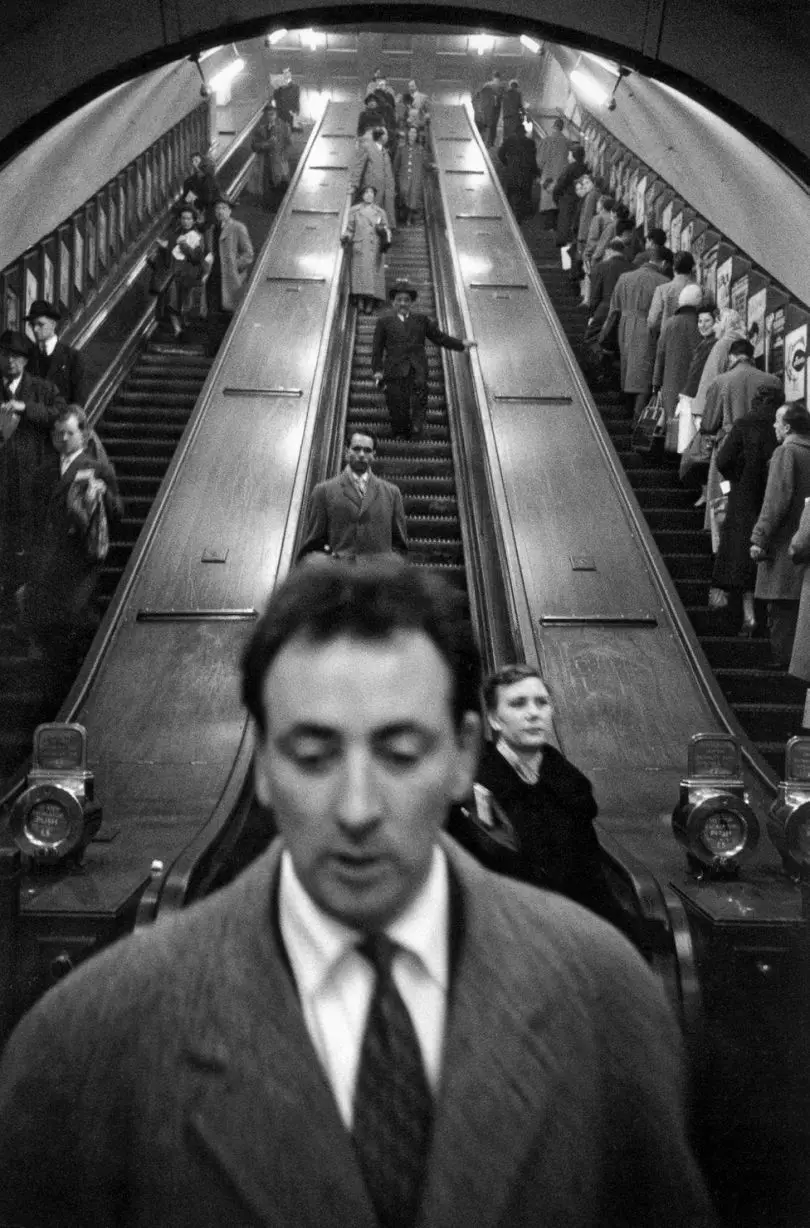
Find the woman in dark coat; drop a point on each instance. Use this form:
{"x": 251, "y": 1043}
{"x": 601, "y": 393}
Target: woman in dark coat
{"x": 742, "y": 459}
{"x": 534, "y": 814}
{"x": 565, "y": 196}
{"x": 178, "y": 265}
{"x": 518, "y": 156}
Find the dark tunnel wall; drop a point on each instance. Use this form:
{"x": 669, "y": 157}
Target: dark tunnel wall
{"x": 747, "y": 57}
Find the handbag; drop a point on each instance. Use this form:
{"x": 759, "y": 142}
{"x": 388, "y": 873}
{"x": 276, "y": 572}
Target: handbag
{"x": 799, "y": 548}
{"x": 719, "y": 509}
{"x": 695, "y": 460}
{"x": 384, "y": 236}
{"x": 651, "y": 425}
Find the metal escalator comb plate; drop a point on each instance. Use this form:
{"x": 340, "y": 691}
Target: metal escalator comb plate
{"x": 480, "y": 217}
{"x": 458, "y": 170}
{"x": 329, "y": 166}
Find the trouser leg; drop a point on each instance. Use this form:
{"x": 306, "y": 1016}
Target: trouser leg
{"x": 782, "y": 619}
{"x": 419, "y": 405}
{"x": 397, "y": 400}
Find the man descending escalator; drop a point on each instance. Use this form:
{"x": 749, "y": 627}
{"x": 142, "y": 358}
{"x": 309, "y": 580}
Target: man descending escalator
{"x": 403, "y": 371}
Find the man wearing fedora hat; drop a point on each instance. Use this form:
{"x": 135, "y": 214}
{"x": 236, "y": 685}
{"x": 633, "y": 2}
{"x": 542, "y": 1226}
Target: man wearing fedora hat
{"x": 51, "y": 359}
{"x": 399, "y": 359}
{"x": 28, "y": 409}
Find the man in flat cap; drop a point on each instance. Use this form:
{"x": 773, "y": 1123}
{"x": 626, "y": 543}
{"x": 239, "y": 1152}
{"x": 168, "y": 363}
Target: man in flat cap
{"x": 28, "y": 409}
{"x": 52, "y": 359}
{"x": 400, "y": 363}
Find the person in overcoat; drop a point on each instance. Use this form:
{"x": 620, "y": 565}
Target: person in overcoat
{"x": 552, "y": 159}
{"x": 630, "y": 306}
{"x": 799, "y": 551}
{"x": 729, "y": 397}
{"x": 229, "y": 260}
{"x": 518, "y": 156}
{"x": 58, "y": 603}
{"x": 779, "y": 581}
{"x": 365, "y": 230}
{"x": 53, "y": 360}
{"x": 179, "y": 265}
{"x": 512, "y": 110}
{"x": 604, "y": 277}
{"x": 565, "y": 197}
{"x": 399, "y": 359}
{"x": 676, "y": 345}
{"x": 201, "y": 188}
{"x": 546, "y": 805}
{"x": 742, "y": 459}
{"x": 216, "y": 1068}
{"x": 602, "y": 222}
{"x": 370, "y": 117}
{"x": 271, "y": 142}
{"x": 487, "y": 107}
{"x": 372, "y": 166}
{"x": 666, "y": 298}
{"x": 28, "y": 410}
{"x": 287, "y": 97}
{"x": 356, "y": 513}
{"x": 410, "y": 163}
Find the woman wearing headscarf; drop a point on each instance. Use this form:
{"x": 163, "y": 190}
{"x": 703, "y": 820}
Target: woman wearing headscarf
{"x": 532, "y": 812}
{"x": 742, "y": 459}
{"x": 367, "y": 234}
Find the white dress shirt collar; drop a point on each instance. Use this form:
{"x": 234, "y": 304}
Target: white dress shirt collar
{"x": 50, "y": 344}
{"x": 528, "y": 773}
{"x": 13, "y": 385}
{"x": 317, "y": 944}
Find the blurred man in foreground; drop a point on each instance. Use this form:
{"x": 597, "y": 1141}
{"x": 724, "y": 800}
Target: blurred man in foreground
{"x": 365, "y": 1028}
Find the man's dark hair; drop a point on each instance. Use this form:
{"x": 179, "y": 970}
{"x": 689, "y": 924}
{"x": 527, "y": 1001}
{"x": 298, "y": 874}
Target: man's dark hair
{"x": 506, "y": 676}
{"x": 656, "y": 237}
{"x": 684, "y": 262}
{"x": 625, "y": 227}
{"x": 659, "y": 255}
{"x": 320, "y": 602}
{"x": 73, "y": 411}
{"x": 360, "y": 431}
{"x": 797, "y": 417}
{"x": 378, "y": 133}
{"x": 617, "y": 245}
{"x": 741, "y": 345}
{"x": 766, "y": 400}
{"x": 622, "y": 212}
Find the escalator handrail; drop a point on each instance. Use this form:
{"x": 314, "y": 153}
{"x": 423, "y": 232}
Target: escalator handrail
{"x": 172, "y": 888}
{"x": 516, "y": 592}
{"x": 659, "y": 573}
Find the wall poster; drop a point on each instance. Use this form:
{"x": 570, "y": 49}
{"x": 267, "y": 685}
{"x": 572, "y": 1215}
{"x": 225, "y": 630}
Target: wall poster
{"x": 796, "y": 364}
{"x": 756, "y": 322}
{"x": 775, "y": 341}
{"x": 64, "y": 272}
{"x": 47, "y": 277}
{"x": 122, "y": 212}
{"x": 675, "y": 232}
{"x": 666, "y": 217}
{"x": 739, "y": 297}
{"x": 31, "y": 293}
{"x": 91, "y": 249}
{"x": 78, "y": 259}
{"x": 12, "y": 310}
{"x": 102, "y": 234}
{"x": 722, "y": 294}
{"x": 641, "y": 200}
{"x": 686, "y": 237}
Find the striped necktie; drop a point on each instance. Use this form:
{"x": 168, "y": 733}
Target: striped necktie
{"x": 393, "y": 1108}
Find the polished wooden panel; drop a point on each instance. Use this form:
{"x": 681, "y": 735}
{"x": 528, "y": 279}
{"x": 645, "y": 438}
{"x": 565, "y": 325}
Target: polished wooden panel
{"x": 163, "y": 716}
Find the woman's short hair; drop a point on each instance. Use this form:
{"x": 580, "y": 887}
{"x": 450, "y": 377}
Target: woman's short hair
{"x": 507, "y": 675}
{"x": 797, "y": 417}
{"x": 73, "y": 411}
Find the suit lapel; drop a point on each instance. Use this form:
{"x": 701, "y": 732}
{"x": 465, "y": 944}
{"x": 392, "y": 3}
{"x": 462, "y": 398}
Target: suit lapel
{"x": 259, "y": 1102}
{"x": 372, "y": 493}
{"x": 500, "y": 1082}
{"x": 350, "y": 490}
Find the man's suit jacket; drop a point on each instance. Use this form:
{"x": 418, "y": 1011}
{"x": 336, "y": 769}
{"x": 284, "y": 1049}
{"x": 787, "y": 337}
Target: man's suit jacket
{"x": 65, "y": 369}
{"x": 171, "y": 1081}
{"x": 26, "y": 449}
{"x": 403, "y": 343}
{"x": 337, "y": 518}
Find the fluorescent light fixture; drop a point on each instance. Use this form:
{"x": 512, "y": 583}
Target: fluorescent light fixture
{"x": 531, "y": 44}
{"x": 275, "y": 37}
{"x": 206, "y": 55}
{"x": 482, "y": 43}
{"x": 608, "y": 65}
{"x": 591, "y": 90}
{"x": 221, "y": 81}
{"x": 312, "y": 38}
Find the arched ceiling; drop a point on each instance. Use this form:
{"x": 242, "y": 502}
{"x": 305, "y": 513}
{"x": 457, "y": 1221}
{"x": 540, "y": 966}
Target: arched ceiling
{"x": 747, "y": 59}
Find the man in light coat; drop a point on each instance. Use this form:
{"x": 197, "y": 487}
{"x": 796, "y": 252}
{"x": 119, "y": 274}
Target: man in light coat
{"x": 365, "y": 1028}
{"x": 356, "y": 513}
{"x": 665, "y": 300}
{"x": 229, "y": 260}
{"x": 552, "y": 159}
{"x": 630, "y": 305}
{"x": 730, "y": 396}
